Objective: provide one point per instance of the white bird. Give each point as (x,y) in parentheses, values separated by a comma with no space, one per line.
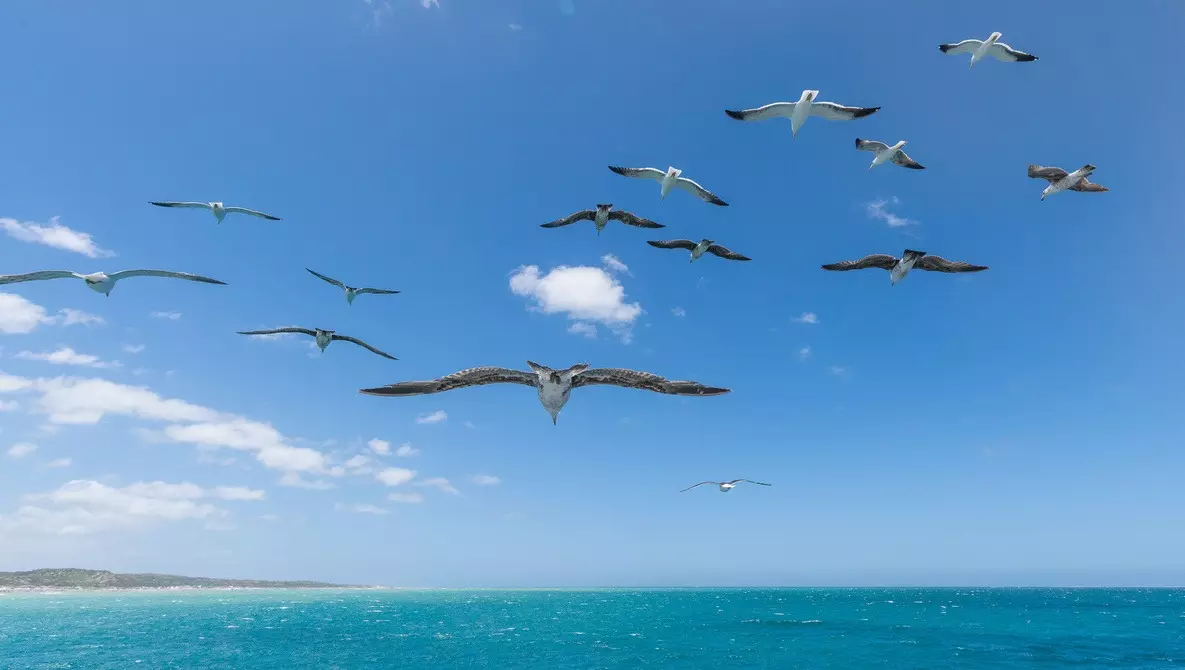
(885,153)
(990,47)
(601,217)
(725,487)
(798,112)
(101,282)
(899,267)
(220,211)
(352,292)
(552,386)
(1059,180)
(700,248)
(670,179)
(323,337)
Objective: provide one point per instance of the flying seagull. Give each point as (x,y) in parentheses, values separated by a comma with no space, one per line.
(899,267)
(699,248)
(324,337)
(220,211)
(352,292)
(1059,180)
(978,49)
(601,216)
(101,282)
(885,153)
(798,112)
(725,487)
(553,386)
(670,179)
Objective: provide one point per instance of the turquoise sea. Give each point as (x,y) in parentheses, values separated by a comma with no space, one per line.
(610,628)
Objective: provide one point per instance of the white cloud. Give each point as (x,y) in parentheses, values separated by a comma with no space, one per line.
(614,264)
(379,11)
(876,210)
(77,317)
(236,493)
(133,348)
(406,498)
(18,315)
(429,3)
(21,449)
(486,480)
(582,293)
(405,450)
(294,480)
(514,26)
(467,424)
(395,476)
(807,317)
(356,462)
(60,463)
(838,370)
(380,447)
(581,328)
(439,483)
(679,311)
(67,356)
(435,417)
(168,316)
(804,353)
(367,509)
(55,235)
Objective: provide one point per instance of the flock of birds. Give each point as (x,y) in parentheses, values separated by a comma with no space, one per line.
(553,386)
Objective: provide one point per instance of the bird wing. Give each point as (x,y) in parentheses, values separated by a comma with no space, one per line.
(252,212)
(725,252)
(35,276)
(277,331)
(347,338)
(584,215)
(901,158)
(964,47)
(1001,51)
(639,173)
(883,261)
(641,380)
(470,377)
(699,191)
(735,481)
(331,280)
(871,145)
(631,220)
(836,112)
(376,291)
(124,274)
(699,484)
(940,264)
(191,205)
(1086,186)
(672,244)
(1049,174)
(770,111)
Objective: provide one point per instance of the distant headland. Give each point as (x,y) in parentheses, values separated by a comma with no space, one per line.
(80,579)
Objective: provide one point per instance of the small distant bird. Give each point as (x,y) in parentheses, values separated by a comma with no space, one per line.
(352,292)
(991,47)
(101,282)
(725,487)
(553,386)
(699,248)
(601,216)
(899,267)
(670,179)
(323,337)
(798,112)
(1059,180)
(885,153)
(220,211)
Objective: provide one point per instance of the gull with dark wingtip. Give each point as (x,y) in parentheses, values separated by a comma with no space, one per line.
(989,47)
(885,153)
(218,209)
(1060,180)
(552,386)
(668,180)
(700,248)
(601,216)
(798,112)
(899,267)
(101,282)
(322,336)
(725,487)
(352,292)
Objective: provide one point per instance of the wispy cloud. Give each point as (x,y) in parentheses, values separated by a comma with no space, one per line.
(380,447)
(485,480)
(55,235)
(380,11)
(405,450)
(514,26)
(430,3)
(584,294)
(679,311)
(77,317)
(838,370)
(167,316)
(60,463)
(133,348)
(365,509)
(435,417)
(296,481)
(412,498)
(804,353)
(614,264)
(877,210)
(67,356)
(583,328)
(21,449)
(439,483)
(807,317)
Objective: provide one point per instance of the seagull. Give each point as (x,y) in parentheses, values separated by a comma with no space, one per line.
(553,386)
(978,49)
(798,112)
(220,211)
(1060,181)
(899,267)
(725,487)
(601,217)
(324,337)
(885,153)
(352,292)
(670,179)
(101,282)
(699,249)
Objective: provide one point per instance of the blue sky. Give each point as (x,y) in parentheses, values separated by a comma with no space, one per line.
(1016,426)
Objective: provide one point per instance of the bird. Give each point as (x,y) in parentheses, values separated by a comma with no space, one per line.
(991,47)
(798,112)
(553,386)
(670,179)
(352,292)
(101,282)
(699,248)
(725,487)
(899,267)
(601,216)
(1059,180)
(885,153)
(323,337)
(220,211)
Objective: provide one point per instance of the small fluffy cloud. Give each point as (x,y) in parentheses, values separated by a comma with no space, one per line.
(21,449)
(405,450)
(435,417)
(406,498)
(804,353)
(77,317)
(485,480)
(614,264)
(581,328)
(133,348)
(395,476)
(584,294)
(807,317)
(19,316)
(439,483)
(367,509)
(877,210)
(167,316)
(55,235)
(380,447)
(679,311)
(60,463)
(67,356)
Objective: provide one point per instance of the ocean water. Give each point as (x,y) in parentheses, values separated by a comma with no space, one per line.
(612,628)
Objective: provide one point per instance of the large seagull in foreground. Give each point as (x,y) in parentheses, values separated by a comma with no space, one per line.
(725,487)
(668,180)
(899,267)
(798,112)
(553,386)
(989,47)
(218,209)
(101,282)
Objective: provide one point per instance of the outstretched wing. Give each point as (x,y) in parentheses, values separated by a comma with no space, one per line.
(836,112)
(376,291)
(699,484)
(699,191)
(124,274)
(901,158)
(770,111)
(871,145)
(1049,174)
(1087,186)
(964,47)
(736,481)
(672,244)
(470,377)
(190,205)
(1001,51)
(631,220)
(639,173)
(725,252)
(380,352)
(883,261)
(940,264)
(35,276)
(252,212)
(641,380)
(331,280)
(277,331)
(585,215)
